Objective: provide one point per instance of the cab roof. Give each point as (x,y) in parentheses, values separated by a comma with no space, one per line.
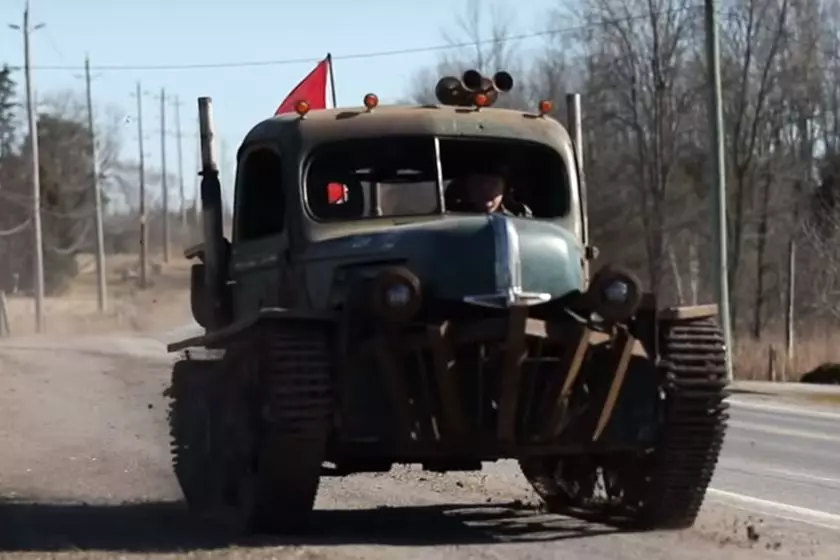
(347,123)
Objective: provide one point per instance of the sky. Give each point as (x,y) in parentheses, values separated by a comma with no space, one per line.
(131,34)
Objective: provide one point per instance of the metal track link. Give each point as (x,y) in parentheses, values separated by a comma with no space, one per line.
(191,394)
(296,395)
(295,382)
(693,356)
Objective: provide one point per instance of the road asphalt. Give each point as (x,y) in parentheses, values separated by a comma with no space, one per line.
(785,454)
(84,471)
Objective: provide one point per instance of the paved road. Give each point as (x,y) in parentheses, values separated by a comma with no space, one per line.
(84,464)
(787,454)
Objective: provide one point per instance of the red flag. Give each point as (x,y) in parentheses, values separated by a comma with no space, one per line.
(337,193)
(312,89)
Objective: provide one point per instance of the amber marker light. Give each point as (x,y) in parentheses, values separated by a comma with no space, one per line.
(371,101)
(545,107)
(302,107)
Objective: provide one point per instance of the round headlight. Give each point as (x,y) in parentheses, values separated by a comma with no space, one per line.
(398,295)
(395,294)
(615,293)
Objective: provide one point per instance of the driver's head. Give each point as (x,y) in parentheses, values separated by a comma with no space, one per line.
(484,191)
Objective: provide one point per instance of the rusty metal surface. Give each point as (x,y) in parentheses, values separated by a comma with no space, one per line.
(689,312)
(350,123)
(386,350)
(447,375)
(556,399)
(515,350)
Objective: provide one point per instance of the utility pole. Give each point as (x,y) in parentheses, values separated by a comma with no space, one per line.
(38,253)
(718,198)
(164,186)
(180,165)
(102,298)
(144,237)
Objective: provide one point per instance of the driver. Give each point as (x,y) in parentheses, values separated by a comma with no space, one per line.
(484,192)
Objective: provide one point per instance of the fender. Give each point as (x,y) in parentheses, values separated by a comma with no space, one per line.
(645,326)
(688,312)
(220,336)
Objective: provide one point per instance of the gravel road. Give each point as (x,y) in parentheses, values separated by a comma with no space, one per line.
(85,472)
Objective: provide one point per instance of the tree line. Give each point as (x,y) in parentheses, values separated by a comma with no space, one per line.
(641,69)
(640,66)
(66,181)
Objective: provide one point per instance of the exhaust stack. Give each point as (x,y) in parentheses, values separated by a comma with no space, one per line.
(211,205)
(574,120)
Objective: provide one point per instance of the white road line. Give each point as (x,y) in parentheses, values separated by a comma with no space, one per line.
(751,467)
(787,512)
(776,509)
(802,476)
(782,431)
(785,409)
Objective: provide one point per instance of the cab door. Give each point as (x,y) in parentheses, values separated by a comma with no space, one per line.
(260,233)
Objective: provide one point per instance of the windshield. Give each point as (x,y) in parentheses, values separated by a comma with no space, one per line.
(398,176)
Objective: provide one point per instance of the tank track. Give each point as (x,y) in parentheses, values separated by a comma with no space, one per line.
(271,404)
(191,402)
(297,398)
(694,422)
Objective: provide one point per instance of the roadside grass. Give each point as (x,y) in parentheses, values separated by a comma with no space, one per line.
(752,359)
(832,399)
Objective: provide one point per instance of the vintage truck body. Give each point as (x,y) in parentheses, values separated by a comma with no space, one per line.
(355,321)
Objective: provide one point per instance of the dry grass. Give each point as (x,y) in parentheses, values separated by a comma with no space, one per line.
(751,358)
(164,304)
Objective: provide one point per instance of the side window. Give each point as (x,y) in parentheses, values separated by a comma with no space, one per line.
(262,199)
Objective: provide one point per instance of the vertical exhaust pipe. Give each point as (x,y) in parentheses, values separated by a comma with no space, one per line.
(211,206)
(574,118)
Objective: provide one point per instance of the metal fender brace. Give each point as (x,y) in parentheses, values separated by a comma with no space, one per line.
(218,338)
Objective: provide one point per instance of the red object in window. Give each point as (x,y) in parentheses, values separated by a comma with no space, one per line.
(312,89)
(337,193)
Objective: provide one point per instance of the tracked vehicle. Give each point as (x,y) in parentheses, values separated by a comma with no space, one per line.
(359,318)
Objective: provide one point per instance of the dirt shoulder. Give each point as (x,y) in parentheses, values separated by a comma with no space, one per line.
(85,470)
(164,304)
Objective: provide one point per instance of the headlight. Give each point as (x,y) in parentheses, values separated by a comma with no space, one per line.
(395,295)
(615,293)
(398,295)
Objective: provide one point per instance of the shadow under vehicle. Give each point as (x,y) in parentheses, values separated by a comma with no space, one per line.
(357,319)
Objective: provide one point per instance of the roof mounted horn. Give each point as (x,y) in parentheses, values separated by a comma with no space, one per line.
(502,81)
(473,89)
(472,80)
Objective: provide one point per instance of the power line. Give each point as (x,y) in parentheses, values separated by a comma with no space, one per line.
(376,54)
(17,229)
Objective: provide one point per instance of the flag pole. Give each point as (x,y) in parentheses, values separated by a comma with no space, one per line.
(332,79)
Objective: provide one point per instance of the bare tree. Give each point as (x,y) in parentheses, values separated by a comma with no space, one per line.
(638,58)
(482,39)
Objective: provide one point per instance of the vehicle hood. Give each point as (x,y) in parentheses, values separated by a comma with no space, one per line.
(456,257)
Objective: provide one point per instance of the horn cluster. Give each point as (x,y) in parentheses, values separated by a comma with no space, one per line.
(473,89)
